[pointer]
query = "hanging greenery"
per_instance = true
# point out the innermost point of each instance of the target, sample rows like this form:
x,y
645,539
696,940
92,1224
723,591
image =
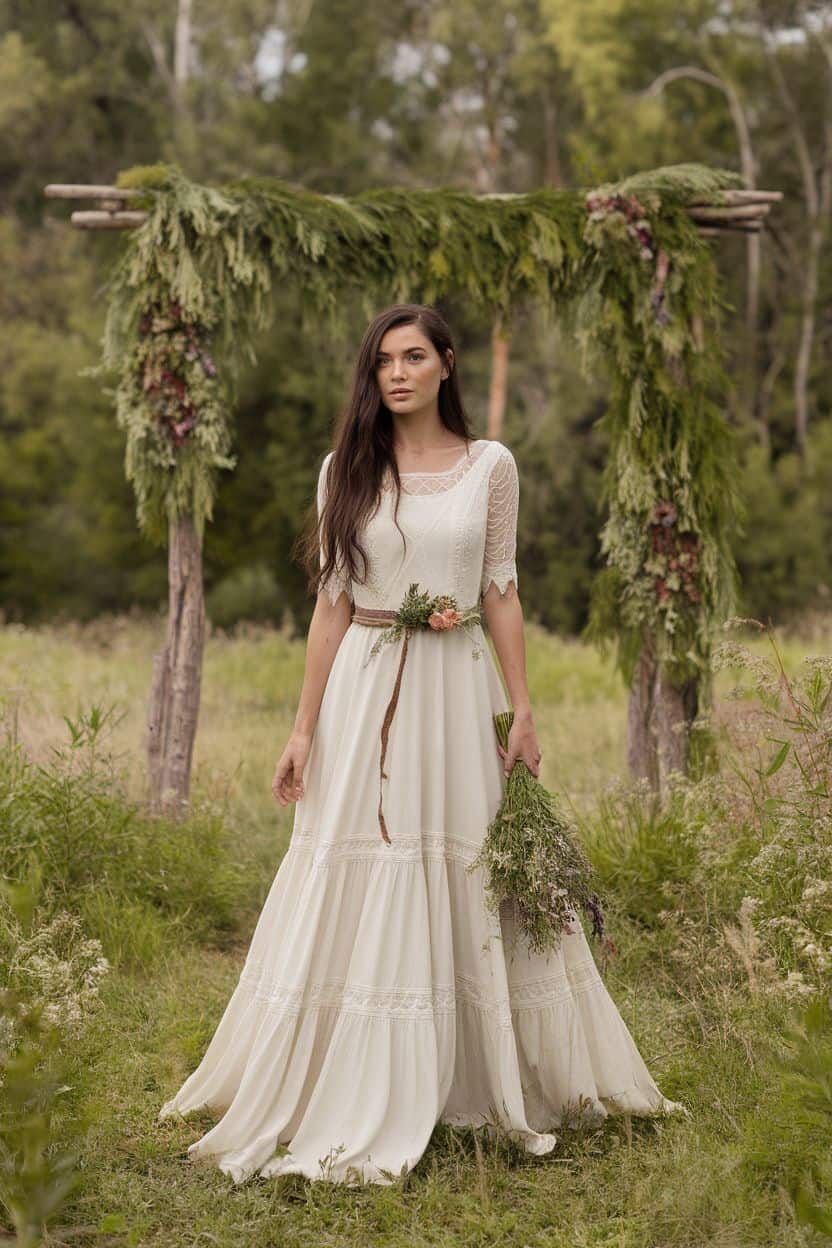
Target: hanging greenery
x,y
622,265
670,481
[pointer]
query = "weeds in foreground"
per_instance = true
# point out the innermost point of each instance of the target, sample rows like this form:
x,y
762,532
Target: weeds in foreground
x,y
706,985
49,989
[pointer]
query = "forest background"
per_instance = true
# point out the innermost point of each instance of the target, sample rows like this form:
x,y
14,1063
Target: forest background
x,y
342,96
719,897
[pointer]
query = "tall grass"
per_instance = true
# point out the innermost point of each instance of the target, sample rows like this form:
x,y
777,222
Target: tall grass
x,y
716,899
728,883
137,882
88,882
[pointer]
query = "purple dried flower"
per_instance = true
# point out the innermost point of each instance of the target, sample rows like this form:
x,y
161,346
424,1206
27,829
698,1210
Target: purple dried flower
x,y
593,905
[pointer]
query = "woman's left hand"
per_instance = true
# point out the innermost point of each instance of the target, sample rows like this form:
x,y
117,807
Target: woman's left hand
x,y
523,744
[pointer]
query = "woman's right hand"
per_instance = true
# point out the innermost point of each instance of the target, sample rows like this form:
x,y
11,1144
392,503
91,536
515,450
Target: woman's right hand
x,y
287,785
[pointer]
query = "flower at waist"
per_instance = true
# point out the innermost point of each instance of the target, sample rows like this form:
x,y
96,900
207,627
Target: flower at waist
x,y
444,619
418,610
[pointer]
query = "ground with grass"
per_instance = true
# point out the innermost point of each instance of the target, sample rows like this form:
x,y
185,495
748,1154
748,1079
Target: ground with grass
x,y
716,901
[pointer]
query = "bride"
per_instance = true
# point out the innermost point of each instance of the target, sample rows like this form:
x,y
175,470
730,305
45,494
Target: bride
x,y
380,995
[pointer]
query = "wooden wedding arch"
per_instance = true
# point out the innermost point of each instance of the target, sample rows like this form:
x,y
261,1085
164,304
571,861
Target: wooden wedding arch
x,y
625,266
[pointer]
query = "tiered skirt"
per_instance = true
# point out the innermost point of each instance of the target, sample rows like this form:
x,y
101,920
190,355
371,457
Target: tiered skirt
x,y
380,994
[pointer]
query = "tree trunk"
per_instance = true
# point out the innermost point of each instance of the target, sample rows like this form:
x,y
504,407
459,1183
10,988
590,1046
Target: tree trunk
x,y
177,675
175,72
489,173
552,171
183,122
182,46
499,380
641,746
817,190
809,296
716,77
658,723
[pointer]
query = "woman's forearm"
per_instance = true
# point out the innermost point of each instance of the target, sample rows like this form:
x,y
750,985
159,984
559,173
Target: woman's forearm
x,y
504,618
326,630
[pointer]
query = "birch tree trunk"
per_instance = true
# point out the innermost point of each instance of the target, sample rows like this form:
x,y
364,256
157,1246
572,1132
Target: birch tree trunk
x,y
817,192
174,69
748,164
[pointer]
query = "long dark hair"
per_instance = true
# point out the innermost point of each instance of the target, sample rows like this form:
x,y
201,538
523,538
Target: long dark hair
x,y
363,449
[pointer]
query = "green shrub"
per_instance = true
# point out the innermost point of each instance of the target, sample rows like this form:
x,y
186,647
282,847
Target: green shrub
x,y
784,765
643,851
784,554
250,592
37,1172
50,975
790,1146
133,878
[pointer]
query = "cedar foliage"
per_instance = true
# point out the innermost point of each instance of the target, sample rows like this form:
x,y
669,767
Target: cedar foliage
x,y
195,281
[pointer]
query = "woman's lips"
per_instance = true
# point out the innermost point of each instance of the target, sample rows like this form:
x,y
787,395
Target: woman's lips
x,y
400,394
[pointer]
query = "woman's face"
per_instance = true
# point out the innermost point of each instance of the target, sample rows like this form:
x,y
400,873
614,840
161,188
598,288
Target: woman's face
x,y
409,369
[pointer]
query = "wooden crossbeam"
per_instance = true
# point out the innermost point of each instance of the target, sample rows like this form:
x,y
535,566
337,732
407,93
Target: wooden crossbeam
x,y
71,190
112,212
736,212
745,227
737,195
111,219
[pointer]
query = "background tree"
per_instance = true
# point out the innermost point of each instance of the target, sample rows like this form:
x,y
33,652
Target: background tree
x,y
339,97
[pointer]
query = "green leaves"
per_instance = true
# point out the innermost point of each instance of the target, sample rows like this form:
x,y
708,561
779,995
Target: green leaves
x,y
778,760
631,276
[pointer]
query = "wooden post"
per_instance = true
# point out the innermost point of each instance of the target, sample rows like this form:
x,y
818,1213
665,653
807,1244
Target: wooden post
x,y
659,717
177,675
177,669
660,714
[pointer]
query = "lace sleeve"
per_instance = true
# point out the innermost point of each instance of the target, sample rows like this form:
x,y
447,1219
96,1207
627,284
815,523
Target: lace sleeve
x,y
499,563
338,580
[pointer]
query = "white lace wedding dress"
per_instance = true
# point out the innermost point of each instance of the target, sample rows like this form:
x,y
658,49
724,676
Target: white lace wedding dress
x,y
380,995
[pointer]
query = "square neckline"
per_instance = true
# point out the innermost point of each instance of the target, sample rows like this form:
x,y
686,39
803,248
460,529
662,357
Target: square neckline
x,y
439,472
423,485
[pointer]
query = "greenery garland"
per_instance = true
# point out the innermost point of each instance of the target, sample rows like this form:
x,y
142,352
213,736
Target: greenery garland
x,y
622,265
669,481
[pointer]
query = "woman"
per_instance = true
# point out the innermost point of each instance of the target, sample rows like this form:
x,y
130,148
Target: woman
x,y
380,995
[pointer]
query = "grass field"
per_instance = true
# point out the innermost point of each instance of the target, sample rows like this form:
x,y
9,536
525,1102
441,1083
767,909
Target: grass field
x,y
174,909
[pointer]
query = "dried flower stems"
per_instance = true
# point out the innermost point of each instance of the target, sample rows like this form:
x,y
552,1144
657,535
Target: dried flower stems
x,y
533,858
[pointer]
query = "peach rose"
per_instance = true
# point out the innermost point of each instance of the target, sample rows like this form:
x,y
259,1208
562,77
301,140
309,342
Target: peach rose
x,y
440,620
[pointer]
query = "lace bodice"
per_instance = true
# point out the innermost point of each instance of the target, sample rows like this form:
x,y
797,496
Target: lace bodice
x,y
460,525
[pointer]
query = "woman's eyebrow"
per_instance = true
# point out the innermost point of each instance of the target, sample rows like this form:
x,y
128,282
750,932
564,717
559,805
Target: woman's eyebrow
x,y
416,348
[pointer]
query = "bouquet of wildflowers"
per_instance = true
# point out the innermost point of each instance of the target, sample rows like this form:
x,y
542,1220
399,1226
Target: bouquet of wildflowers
x,y
533,858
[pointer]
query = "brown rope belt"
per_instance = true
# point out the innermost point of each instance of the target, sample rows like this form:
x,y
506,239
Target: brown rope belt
x,y
381,618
